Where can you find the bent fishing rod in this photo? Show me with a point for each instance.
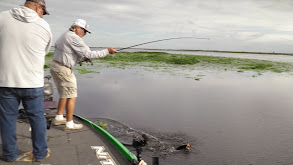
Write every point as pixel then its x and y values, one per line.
pixel 161 40
pixel 89 60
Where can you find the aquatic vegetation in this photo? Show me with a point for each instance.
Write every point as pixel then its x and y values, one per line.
pixel 49 55
pixel 162 60
pixel 102 125
pixel 180 59
pixel 48 59
pixel 258 74
pixel 47 66
pixel 157 57
pixel 84 71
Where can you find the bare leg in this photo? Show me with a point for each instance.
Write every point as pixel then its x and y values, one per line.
pixel 61 105
pixel 70 104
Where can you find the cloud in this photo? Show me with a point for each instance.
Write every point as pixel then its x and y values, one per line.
pixel 226 22
pixel 248 35
pixel 272 38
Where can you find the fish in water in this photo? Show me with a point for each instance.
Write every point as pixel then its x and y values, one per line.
pixel 185 147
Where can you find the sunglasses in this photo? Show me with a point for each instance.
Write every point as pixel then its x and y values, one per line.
pixel 43 8
pixel 84 30
pixel 44 11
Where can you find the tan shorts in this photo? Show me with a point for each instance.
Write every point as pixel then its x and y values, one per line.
pixel 64 79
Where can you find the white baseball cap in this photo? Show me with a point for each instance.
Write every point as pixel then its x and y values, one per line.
pixel 81 23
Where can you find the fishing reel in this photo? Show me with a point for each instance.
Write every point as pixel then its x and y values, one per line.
pixel 84 59
pixel 138 144
pixel 141 143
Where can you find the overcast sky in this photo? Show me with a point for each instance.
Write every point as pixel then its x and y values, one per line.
pixel 237 25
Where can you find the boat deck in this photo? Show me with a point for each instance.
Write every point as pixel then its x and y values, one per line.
pixel 74 147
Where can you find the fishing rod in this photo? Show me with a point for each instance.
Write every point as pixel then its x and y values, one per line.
pixel 89 60
pixel 161 40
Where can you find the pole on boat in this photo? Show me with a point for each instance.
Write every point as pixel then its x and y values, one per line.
pixel 155 161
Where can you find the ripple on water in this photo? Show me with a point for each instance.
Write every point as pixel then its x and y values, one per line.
pixel 160 144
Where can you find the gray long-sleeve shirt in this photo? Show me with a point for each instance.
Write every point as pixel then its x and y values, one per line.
pixel 70 48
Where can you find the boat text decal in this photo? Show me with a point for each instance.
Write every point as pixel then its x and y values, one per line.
pixel 107 159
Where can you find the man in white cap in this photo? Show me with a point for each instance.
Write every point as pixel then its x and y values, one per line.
pixel 25 39
pixel 69 50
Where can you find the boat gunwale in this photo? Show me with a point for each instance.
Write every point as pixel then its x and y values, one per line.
pixel 121 148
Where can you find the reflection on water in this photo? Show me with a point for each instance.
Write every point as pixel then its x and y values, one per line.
pixel 235 118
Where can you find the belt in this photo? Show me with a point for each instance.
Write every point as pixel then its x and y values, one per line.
pixel 57 62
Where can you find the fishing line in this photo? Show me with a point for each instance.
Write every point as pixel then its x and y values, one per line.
pixel 89 60
pixel 161 40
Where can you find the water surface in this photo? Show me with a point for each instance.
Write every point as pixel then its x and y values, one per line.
pixel 228 117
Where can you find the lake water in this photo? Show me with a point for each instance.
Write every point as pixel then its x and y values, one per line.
pixel 228 117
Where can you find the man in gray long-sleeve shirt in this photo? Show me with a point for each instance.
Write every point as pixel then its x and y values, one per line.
pixel 69 50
